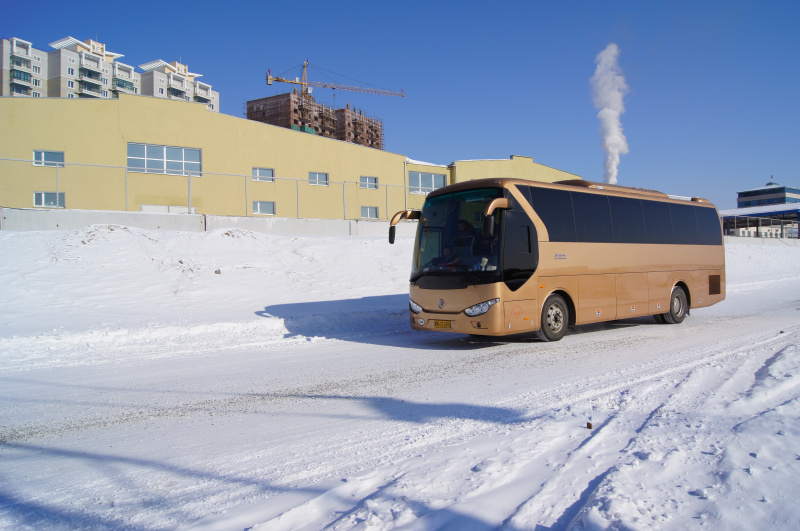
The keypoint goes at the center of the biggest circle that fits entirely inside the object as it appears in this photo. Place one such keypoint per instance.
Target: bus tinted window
(684, 226)
(626, 215)
(555, 209)
(709, 230)
(657, 223)
(592, 218)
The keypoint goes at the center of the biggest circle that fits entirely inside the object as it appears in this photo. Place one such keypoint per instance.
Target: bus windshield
(449, 237)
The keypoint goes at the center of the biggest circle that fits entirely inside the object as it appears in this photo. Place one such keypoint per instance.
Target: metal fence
(755, 227)
(26, 183)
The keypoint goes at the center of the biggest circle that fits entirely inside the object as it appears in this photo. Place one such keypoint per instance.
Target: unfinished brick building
(302, 113)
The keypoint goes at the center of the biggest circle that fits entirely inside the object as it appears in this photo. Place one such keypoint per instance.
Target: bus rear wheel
(678, 307)
(555, 318)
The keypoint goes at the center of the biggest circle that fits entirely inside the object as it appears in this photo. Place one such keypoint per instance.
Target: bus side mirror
(403, 214)
(488, 226)
(488, 220)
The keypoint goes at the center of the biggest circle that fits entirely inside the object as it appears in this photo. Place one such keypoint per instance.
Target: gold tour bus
(507, 256)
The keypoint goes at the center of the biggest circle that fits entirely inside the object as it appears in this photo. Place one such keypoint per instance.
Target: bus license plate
(442, 324)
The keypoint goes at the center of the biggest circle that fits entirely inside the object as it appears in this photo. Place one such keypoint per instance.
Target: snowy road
(320, 409)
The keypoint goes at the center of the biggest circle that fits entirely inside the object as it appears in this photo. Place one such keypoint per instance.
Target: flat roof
(769, 186)
(762, 210)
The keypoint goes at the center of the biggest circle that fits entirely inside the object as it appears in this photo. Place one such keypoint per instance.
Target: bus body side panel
(633, 298)
(709, 288)
(658, 288)
(521, 316)
(597, 299)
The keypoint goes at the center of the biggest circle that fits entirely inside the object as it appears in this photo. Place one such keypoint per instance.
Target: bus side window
(554, 207)
(627, 220)
(709, 230)
(657, 222)
(684, 226)
(592, 218)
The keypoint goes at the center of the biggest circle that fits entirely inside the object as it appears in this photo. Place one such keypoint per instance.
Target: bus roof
(571, 183)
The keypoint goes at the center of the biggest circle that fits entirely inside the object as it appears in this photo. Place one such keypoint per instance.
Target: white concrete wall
(744, 240)
(25, 219)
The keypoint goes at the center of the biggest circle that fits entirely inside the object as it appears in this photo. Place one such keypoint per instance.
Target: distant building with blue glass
(770, 194)
(771, 211)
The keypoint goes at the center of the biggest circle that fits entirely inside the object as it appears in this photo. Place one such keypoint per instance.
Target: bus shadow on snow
(378, 320)
(383, 320)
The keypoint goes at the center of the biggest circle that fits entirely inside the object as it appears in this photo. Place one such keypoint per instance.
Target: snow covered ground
(235, 380)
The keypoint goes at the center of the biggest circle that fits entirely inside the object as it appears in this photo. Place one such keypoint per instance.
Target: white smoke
(609, 86)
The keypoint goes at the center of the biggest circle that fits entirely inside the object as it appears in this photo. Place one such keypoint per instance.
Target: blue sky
(713, 107)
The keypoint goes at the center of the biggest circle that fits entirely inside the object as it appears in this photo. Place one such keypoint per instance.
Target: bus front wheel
(678, 307)
(555, 318)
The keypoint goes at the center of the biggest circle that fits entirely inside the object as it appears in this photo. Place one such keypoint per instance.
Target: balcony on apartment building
(90, 75)
(202, 93)
(91, 62)
(20, 77)
(90, 90)
(21, 63)
(19, 90)
(176, 93)
(123, 85)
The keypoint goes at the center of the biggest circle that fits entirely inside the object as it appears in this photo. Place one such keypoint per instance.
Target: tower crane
(305, 83)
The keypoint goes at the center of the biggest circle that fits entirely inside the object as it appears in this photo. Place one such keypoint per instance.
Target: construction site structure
(302, 113)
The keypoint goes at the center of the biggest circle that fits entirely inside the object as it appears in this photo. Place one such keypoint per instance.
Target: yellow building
(147, 154)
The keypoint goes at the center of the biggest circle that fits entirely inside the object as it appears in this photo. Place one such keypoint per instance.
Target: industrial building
(147, 154)
(770, 211)
(75, 69)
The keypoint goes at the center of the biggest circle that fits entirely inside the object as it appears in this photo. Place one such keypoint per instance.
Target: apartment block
(174, 81)
(23, 69)
(75, 69)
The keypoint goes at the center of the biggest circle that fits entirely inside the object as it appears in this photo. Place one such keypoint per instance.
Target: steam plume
(609, 86)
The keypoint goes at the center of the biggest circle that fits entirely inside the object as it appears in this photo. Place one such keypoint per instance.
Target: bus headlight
(416, 308)
(480, 309)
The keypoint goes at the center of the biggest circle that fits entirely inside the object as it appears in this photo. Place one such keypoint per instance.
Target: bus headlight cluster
(480, 309)
(416, 308)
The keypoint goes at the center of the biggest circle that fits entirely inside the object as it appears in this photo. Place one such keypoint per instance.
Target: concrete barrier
(744, 240)
(24, 219)
(27, 219)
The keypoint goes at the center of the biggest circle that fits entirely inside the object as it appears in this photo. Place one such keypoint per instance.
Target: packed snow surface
(236, 380)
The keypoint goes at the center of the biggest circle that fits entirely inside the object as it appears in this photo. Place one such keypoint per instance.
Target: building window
(48, 199)
(369, 212)
(70, 71)
(152, 158)
(264, 208)
(70, 84)
(70, 95)
(320, 179)
(37, 69)
(369, 182)
(37, 94)
(36, 82)
(423, 183)
(263, 174)
(48, 158)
